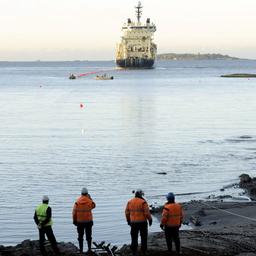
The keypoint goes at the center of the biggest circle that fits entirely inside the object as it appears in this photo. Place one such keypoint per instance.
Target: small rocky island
(239, 75)
(191, 56)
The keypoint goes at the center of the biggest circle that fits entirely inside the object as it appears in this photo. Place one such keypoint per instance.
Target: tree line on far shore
(191, 56)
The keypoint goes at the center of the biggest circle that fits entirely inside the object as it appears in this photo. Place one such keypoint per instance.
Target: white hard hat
(45, 198)
(84, 191)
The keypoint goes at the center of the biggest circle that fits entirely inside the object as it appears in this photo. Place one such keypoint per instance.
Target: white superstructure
(136, 48)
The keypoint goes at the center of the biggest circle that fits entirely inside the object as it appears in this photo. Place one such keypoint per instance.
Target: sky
(90, 29)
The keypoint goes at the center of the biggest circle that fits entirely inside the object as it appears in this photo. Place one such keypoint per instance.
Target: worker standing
(83, 219)
(43, 220)
(172, 217)
(137, 214)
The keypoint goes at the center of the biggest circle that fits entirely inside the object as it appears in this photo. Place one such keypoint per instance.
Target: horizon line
(108, 60)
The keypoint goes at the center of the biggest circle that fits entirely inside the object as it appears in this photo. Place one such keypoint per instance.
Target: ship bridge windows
(141, 49)
(137, 49)
(130, 49)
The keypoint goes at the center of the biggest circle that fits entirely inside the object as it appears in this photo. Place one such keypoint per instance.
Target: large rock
(245, 178)
(31, 248)
(249, 185)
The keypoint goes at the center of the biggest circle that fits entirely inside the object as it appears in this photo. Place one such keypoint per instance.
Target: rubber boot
(134, 253)
(89, 244)
(81, 245)
(143, 253)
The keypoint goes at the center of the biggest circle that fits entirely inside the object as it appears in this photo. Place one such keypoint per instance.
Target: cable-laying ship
(136, 49)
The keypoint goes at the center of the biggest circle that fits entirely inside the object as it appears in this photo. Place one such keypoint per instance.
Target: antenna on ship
(138, 11)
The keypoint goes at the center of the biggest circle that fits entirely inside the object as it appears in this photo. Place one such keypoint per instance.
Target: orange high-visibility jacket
(137, 210)
(82, 210)
(172, 215)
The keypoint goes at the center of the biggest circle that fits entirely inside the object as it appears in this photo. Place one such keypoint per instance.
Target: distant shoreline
(160, 57)
(199, 56)
(239, 75)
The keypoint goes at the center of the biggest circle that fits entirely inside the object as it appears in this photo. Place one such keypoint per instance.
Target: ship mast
(138, 11)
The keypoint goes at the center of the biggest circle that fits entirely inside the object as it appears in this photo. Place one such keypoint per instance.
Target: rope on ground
(232, 213)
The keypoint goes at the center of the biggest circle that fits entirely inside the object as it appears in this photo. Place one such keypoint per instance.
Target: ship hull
(135, 63)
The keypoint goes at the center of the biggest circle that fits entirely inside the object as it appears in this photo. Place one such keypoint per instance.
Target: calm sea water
(180, 118)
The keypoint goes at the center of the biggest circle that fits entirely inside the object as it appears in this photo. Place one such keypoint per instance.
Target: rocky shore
(31, 248)
(211, 227)
(219, 228)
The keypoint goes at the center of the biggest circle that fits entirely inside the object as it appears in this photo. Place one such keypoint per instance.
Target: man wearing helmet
(43, 220)
(172, 217)
(83, 219)
(137, 214)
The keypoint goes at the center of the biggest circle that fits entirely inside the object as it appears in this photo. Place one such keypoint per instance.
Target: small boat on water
(104, 77)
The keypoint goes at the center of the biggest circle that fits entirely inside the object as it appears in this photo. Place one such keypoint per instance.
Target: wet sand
(222, 228)
(216, 215)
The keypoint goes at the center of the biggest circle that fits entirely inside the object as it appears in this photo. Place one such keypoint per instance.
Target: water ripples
(142, 124)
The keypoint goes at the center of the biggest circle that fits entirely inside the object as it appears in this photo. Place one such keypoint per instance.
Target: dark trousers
(49, 233)
(87, 229)
(136, 228)
(172, 234)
